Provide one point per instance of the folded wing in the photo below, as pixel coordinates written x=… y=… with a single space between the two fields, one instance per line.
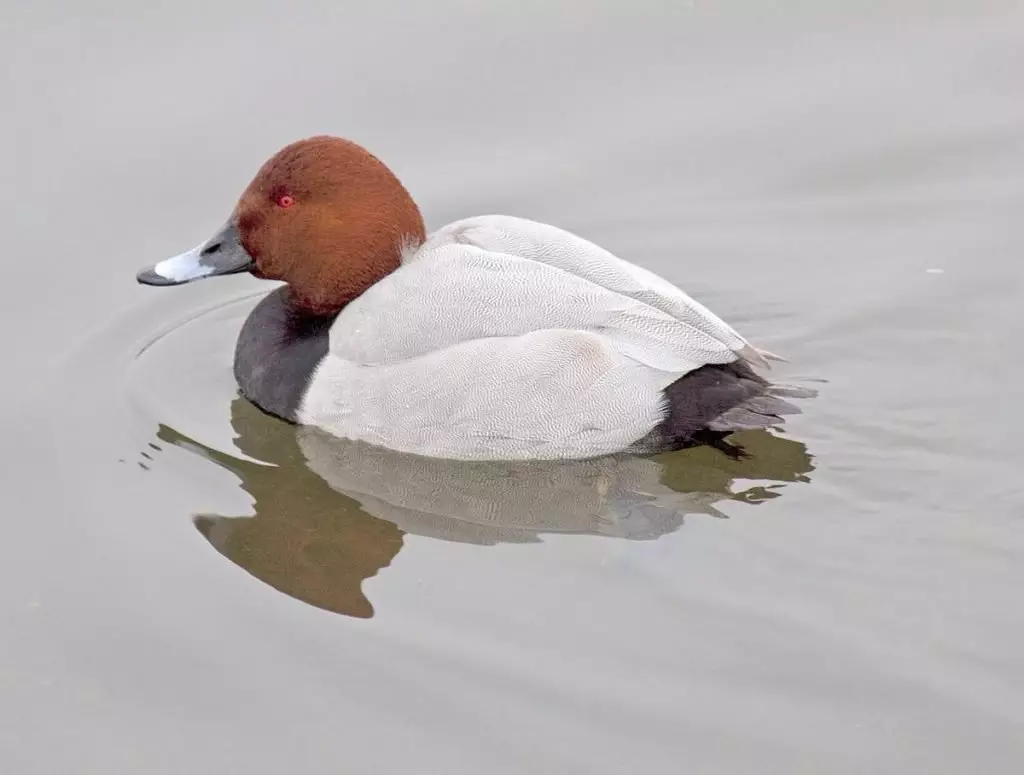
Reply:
x=481 y=282
x=567 y=251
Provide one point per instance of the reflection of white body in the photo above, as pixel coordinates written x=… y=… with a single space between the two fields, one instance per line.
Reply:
x=491 y=502
x=502 y=338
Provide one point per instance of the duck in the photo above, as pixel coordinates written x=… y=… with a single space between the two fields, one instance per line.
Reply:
x=493 y=337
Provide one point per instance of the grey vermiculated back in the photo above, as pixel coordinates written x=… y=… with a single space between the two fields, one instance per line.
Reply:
x=558 y=248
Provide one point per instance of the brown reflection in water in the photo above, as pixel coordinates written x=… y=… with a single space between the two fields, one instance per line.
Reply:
x=304 y=539
x=330 y=513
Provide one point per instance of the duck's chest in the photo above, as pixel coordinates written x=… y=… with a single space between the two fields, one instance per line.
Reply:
x=276 y=354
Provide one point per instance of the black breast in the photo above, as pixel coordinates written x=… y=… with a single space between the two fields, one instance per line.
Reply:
x=277 y=351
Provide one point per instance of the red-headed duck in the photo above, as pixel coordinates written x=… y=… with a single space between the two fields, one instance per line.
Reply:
x=492 y=338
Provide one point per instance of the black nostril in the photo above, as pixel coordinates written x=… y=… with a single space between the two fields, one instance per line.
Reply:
x=210 y=249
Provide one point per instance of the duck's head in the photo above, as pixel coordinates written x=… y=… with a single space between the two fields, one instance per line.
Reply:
x=322 y=214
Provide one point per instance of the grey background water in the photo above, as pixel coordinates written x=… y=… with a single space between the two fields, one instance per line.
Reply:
x=843 y=182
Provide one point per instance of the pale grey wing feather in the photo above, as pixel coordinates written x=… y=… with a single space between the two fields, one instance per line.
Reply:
x=564 y=250
x=547 y=394
x=457 y=293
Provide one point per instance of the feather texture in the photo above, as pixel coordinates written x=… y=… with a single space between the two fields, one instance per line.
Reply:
x=503 y=338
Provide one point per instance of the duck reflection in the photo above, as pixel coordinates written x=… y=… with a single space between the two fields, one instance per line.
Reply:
x=330 y=513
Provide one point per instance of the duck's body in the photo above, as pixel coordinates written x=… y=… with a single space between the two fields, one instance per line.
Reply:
x=493 y=338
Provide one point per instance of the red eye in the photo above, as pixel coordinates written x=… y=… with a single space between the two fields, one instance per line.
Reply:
x=285 y=200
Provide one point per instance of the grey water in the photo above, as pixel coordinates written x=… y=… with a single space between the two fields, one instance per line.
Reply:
x=188 y=585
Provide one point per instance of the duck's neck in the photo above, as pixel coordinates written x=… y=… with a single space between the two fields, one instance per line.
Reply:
x=277 y=351
x=325 y=288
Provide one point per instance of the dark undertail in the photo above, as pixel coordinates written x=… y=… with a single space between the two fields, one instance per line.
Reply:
x=706 y=405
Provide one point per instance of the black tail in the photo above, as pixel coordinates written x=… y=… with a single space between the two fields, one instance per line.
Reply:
x=709 y=403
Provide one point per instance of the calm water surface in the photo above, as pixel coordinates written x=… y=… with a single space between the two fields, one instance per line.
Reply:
x=187 y=585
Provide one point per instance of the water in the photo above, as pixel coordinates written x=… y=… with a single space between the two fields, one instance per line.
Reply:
x=189 y=586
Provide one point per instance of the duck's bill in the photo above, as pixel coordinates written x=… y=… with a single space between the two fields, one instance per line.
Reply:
x=221 y=254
